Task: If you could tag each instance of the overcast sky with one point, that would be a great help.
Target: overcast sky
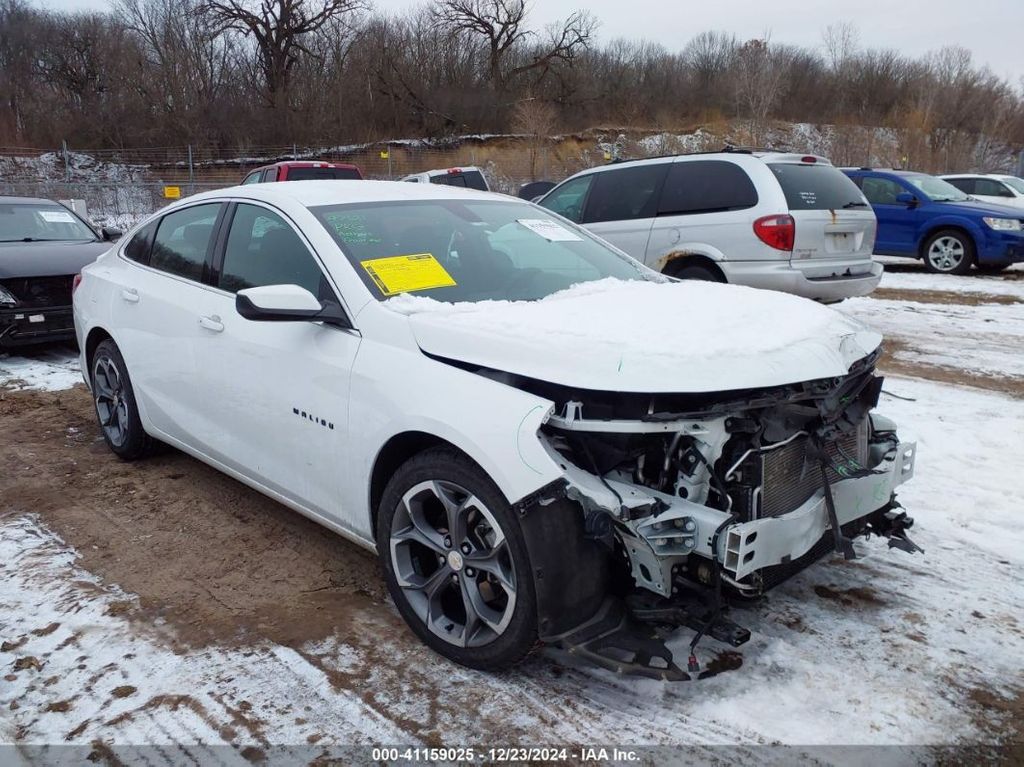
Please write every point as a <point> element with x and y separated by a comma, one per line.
<point>993,30</point>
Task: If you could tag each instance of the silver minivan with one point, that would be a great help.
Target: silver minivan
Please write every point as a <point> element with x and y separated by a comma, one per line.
<point>771,220</point>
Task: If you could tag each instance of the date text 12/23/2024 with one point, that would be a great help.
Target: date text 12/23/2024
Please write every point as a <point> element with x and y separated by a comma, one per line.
<point>496,754</point>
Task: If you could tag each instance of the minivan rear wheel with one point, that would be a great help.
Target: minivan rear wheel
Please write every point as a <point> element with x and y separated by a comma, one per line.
<point>455,562</point>
<point>949,251</point>
<point>696,272</point>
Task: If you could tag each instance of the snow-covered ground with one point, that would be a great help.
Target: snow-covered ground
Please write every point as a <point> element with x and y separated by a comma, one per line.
<point>46,369</point>
<point>981,333</point>
<point>891,648</point>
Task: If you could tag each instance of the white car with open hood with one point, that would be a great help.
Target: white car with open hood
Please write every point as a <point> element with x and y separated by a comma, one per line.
<point>541,437</point>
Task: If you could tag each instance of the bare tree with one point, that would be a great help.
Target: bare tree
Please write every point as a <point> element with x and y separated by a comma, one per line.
<point>758,84</point>
<point>278,29</point>
<point>537,120</point>
<point>502,25</point>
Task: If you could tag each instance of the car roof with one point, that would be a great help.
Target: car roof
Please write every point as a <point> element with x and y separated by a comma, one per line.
<point>339,192</point>
<point>736,155</point>
<point>999,176</point>
<point>307,164</point>
<point>890,171</point>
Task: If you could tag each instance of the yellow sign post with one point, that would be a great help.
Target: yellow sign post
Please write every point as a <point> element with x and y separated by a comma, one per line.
<point>172,192</point>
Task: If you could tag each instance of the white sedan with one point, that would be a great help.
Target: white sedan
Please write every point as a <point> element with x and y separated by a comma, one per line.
<point>539,436</point>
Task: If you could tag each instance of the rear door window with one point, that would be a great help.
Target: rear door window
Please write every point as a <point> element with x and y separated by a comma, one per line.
<point>183,240</point>
<point>623,194</point>
<point>139,245</point>
<point>706,186</point>
<point>816,187</point>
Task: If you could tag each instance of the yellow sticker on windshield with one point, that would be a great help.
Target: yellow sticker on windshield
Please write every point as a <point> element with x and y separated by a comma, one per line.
<point>402,274</point>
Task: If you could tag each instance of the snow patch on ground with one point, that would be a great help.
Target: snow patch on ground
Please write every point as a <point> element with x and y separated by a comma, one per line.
<point>905,274</point>
<point>47,369</point>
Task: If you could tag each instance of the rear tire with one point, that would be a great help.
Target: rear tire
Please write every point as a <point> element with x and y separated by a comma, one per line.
<point>455,561</point>
<point>696,272</point>
<point>114,401</point>
<point>949,251</point>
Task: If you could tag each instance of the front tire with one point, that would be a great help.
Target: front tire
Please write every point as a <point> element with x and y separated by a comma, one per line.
<point>455,561</point>
<point>949,251</point>
<point>116,408</point>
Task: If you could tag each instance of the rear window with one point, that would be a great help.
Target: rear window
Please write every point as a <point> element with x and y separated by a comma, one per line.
<point>815,187</point>
<point>472,179</point>
<point>706,186</point>
<point>316,174</point>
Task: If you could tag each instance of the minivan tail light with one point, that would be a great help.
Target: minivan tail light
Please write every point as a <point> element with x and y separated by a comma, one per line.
<point>76,282</point>
<point>778,232</point>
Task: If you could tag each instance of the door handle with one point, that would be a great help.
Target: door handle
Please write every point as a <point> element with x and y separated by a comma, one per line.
<point>131,295</point>
<point>212,322</point>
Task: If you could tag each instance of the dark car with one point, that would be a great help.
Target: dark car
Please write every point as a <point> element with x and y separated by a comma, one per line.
<point>43,246</point>
<point>921,216</point>
<point>302,170</point>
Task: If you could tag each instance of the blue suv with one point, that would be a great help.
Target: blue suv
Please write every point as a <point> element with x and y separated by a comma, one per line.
<point>921,216</point>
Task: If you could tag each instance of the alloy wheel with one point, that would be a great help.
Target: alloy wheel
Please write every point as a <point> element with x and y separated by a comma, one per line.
<point>452,561</point>
<point>946,253</point>
<point>109,394</point>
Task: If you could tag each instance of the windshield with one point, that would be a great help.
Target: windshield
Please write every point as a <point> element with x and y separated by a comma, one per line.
<point>469,250</point>
<point>816,187</point>
<point>937,189</point>
<point>1014,183</point>
<point>40,222</point>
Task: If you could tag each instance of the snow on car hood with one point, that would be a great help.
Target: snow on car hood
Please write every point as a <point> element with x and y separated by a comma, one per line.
<point>613,335</point>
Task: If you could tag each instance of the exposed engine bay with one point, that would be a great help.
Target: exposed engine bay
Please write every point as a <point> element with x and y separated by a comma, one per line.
<point>704,500</point>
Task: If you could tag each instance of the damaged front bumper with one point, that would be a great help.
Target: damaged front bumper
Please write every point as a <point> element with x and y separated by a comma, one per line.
<point>665,535</point>
<point>751,546</point>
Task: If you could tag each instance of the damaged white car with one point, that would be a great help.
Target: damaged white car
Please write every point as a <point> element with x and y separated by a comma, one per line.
<point>542,439</point>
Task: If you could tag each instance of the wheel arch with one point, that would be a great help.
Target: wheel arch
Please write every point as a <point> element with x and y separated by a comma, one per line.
<point>96,336</point>
<point>396,451</point>
<point>934,228</point>
<point>672,263</point>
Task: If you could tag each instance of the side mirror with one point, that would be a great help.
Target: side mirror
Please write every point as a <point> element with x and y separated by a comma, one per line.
<point>907,199</point>
<point>111,233</point>
<point>287,303</point>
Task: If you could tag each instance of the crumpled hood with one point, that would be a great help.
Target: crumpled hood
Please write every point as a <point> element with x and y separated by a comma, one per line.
<point>47,259</point>
<point>612,335</point>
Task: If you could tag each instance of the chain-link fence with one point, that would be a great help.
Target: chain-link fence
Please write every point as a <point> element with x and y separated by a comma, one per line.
<point>121,186</point>
<point>107,204</point>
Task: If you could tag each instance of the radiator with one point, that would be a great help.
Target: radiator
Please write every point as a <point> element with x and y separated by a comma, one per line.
<point>790,474</point>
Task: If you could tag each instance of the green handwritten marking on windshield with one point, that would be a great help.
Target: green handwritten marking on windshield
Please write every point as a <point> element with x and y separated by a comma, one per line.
<point>352,229</point>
